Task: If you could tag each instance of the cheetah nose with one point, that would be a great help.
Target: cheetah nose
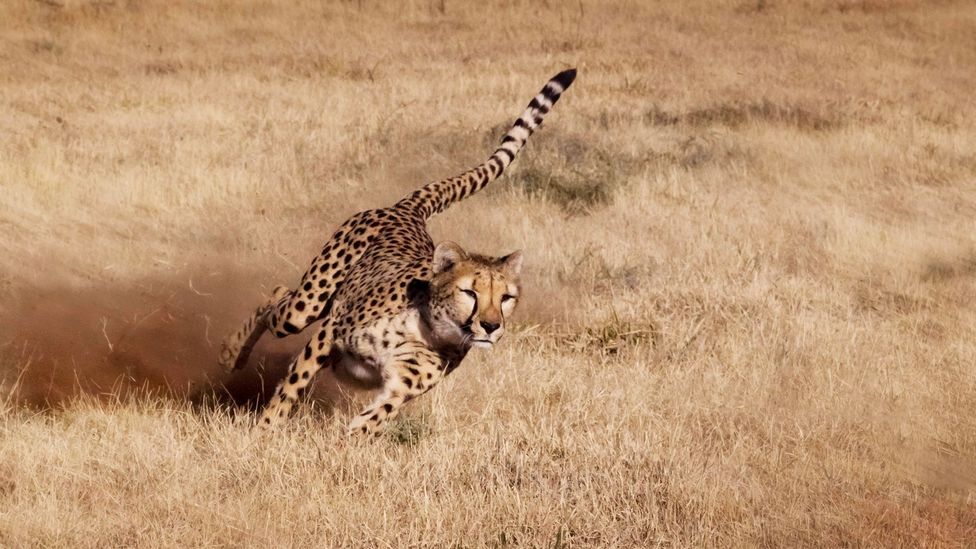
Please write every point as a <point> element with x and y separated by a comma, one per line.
<point>489,326</point>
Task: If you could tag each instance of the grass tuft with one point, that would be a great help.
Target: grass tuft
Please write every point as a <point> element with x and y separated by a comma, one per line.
<point>737,114</point>
<point>613,336</point>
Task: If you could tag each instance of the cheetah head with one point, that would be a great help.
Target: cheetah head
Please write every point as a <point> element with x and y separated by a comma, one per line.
<point>471,296</point>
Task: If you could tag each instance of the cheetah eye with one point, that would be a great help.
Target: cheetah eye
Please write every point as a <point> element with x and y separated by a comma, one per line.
<point>506,297</point>
<point>470,293</point>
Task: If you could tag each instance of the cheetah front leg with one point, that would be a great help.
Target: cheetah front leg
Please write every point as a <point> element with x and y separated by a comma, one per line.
<point>410,375</point>
<point>300,374</point>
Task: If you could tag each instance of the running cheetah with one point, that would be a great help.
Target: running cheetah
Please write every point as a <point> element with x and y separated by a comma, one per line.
<point>398,314</point>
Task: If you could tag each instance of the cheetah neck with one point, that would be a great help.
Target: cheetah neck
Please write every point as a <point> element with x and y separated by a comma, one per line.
<point>440,332</point>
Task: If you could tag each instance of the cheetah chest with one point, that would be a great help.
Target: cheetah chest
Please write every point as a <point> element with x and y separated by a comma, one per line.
<point>365,352</point>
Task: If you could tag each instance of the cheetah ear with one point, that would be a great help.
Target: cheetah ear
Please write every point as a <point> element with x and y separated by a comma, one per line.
<point>512,263</point>
<point>446,256</point>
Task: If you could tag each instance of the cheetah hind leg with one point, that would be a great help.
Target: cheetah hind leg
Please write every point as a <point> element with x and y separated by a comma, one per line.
<point>235,350</point>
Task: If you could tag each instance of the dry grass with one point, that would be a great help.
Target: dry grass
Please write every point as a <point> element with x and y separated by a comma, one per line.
<point>751,229</point>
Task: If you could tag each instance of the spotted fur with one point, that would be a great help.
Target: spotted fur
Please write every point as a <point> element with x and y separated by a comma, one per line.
<point>396,312</point>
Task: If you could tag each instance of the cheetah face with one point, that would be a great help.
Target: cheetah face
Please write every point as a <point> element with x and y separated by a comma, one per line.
<point>471,296</point>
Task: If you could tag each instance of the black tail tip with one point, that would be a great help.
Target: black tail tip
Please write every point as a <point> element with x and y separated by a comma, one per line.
<point>565,78</point>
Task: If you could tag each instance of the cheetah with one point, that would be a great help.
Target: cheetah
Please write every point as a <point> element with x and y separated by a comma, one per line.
<point>397,313</point>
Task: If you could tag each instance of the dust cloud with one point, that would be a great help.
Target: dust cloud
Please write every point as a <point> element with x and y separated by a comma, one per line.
<point>158,336</point>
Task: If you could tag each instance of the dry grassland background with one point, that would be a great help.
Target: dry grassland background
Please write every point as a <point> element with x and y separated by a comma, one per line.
<point>750,231</point>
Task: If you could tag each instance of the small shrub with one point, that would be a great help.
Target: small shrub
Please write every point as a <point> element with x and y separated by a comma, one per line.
<point>407,430</point>
<point>573,174</point>
<point>573,192</point>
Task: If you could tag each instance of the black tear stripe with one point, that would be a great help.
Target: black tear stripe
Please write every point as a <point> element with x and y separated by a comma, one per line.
<point>467,323</point>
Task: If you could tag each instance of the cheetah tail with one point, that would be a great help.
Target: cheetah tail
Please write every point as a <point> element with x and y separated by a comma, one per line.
<point>436,197</point>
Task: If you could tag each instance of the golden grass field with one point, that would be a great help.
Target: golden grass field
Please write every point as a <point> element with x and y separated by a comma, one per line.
<point>750,236</point>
